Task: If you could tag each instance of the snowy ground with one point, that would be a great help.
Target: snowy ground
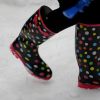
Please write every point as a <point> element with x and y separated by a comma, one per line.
<point>58,52</point>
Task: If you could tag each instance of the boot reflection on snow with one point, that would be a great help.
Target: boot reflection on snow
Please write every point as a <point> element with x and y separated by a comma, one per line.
<point>26,45</point>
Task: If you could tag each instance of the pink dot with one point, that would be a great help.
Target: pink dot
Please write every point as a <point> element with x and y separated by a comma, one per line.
<point>90,39</point>
<point>90,49</point>
<point>81,42</point>
<point>41,74</point>
<point>37,31</point>
<point>36,61</point>
<point>17,45</point>
<point>79,35</point>
<point>85,77</point>
<point>32,44</point>
<point>98,63</point>
<point>34,50</point>
<point>32,36</point>
<point>30,24</point>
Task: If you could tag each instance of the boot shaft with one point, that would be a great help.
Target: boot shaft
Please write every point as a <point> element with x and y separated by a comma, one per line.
<point>88,53</point>
<point>35,29</point>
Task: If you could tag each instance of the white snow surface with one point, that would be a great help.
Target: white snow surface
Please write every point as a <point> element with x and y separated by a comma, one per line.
<point>58,52</point>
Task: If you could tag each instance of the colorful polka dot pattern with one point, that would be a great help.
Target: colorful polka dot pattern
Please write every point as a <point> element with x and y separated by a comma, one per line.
<point>88,53</point>
<point>32,35</point>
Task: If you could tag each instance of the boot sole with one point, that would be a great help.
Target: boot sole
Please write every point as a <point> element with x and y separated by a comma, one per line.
<point>87,86</point>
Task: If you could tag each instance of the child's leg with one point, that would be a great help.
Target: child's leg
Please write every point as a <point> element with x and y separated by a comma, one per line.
<point>64,4</point>
<point>88,55</point>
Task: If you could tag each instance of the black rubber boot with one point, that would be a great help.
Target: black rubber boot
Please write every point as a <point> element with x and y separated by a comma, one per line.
<point>25,47</point>
<point>88,55</point>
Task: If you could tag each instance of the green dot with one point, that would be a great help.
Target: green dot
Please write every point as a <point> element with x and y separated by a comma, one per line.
<point>81,55</point>
<point>90,63</point>
<point>42,68</point>
<point>97,70</point>
<point>39,23</point>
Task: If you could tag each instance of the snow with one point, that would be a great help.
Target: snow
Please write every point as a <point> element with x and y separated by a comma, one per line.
<point>58,52</point>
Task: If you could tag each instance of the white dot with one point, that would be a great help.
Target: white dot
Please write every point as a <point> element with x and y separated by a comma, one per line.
<point>87,72</point>
<point>83,38</point>
<point>98,59</point>
<point>35,66</point>
<point>86,44</point>
<point>91,76</point>
<point>98,37</point>
<point>94,52</point>
<point>86,33</point>
<point>93,29</point>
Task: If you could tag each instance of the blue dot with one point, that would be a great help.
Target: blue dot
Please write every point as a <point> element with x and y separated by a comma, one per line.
<point>80,70</point>
<point>29,55</point>
<point>98,74</point>
<point>88,56</point>
<point>21,49</point>
<point>30,67</point>
<point>77,51</point>
<point>18,38</point>
<point>94,44</point>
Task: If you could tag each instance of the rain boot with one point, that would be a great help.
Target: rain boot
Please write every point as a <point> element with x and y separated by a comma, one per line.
<point>88,55</point>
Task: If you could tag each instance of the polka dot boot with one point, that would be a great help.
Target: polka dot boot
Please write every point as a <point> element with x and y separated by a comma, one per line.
<point>88,55</point>
<point>25,47</point>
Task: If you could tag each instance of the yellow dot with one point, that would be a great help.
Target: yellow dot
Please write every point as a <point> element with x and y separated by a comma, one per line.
<point>38,18</point>
<point>94,34</point>
<point>27,59</point>
<point>81,26</point>
<point>85,52</point>
<point>85,29</point>
<point>24,46</point>
<point>98,48</point>
<point>92,68</point>
<point>85,60</point>
<point>25,36</point>
<point>39,23</point>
